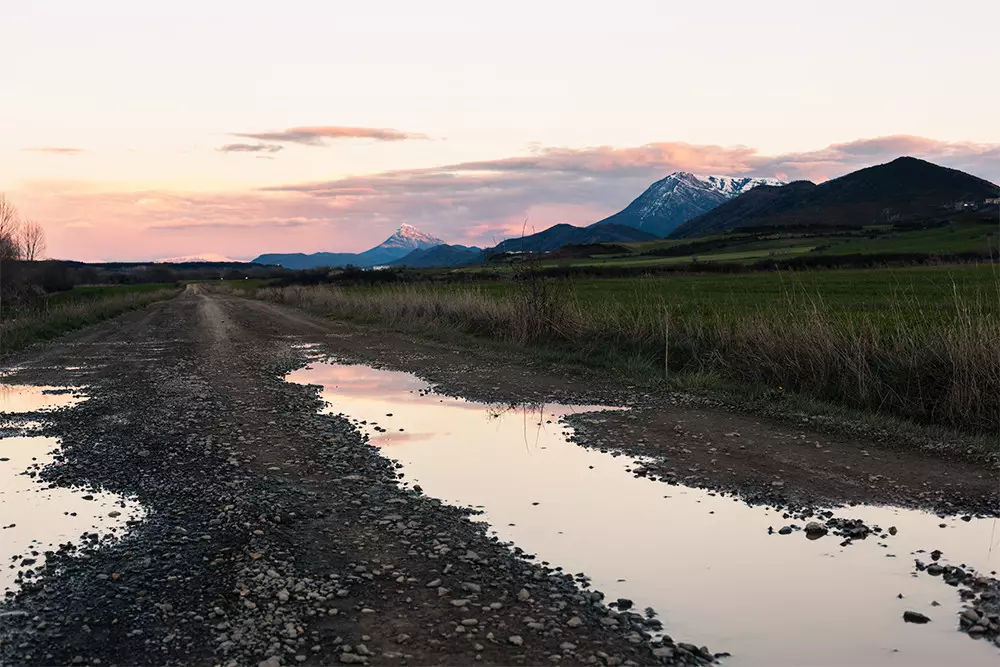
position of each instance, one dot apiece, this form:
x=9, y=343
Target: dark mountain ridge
x=902, y=190
x=563, y=234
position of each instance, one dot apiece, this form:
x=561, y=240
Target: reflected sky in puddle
x=34, y=517
x=706, y=563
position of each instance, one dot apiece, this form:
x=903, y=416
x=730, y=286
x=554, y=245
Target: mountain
x=405, y=239
x=674, y=200
x=206, y=257
x=441, y=255
x=557, y=236
x=905, y=189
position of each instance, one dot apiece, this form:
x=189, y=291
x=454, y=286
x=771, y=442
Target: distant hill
x=405, y=239
x=206, y=257
x=903, y=190
x=557, y=236
x=672, y=201
x=441, y=255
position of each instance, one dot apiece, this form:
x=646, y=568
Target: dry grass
x=22, y=328
x=936, y=370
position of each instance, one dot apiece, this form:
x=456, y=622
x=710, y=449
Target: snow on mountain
x=205, y=257
x=408, y=236
x=681, y=196
x=403, y=241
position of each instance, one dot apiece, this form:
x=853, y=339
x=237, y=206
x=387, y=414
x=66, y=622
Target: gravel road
x=275, y=535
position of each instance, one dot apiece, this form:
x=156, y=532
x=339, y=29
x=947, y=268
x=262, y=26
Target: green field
x=961, y=237
x=917, y=342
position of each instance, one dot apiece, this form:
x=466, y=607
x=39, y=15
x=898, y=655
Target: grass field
x=960, y=237
x=96, y=292
x=919, y=343
x=74, y=309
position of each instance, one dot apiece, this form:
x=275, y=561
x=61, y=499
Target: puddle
x=705, y=562
x=35, y=517
x=18, y=398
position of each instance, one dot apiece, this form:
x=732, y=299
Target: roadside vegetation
x=918, y=343
x=41, y=299
x=65, y=312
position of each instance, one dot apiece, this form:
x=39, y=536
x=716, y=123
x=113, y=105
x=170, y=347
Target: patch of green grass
x=951, y=239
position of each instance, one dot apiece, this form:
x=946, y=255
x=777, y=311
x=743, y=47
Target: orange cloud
x=318, y=136
x=472, y=203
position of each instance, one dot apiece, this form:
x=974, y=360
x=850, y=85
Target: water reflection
x=29, y=398
x=36, y=517
x=705, y=562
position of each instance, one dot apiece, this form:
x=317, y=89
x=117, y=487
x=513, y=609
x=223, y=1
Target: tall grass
x=910, y=360
x=20, y=328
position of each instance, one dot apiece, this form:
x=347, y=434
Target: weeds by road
x=66, y=312
x=935, y=362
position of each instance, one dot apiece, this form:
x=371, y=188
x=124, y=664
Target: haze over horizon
x=140, y=132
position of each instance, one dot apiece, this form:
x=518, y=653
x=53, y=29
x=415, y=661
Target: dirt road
x=276, y=536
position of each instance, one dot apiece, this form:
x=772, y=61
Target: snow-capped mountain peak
x=408, y=236
x=681, y=196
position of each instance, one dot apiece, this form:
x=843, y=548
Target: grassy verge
x=63, y=313
x=921, y=346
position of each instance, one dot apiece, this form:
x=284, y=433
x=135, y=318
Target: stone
x=785, y=530
x=915, y=617
x=523, y=595
x=814, y=529
x=575, y=622
x=516, y=640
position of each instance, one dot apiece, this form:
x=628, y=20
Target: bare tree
x=10, y=224
x=32, y=240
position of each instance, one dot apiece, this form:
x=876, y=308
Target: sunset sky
x=136, y=130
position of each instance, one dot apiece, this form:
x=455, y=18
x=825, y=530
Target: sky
x=136, y=131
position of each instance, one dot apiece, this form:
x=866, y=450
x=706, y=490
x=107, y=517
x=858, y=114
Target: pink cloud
x=318, y=136
x=472, y=203
x=56, y=150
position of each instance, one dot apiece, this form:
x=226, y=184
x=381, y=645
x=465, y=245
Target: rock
x=785, y=530
x=516, y=640
x=663, y=652
x=523, y=595
x=815, y=529
x=352, y=659
x=915, y=617
x=575, y=622
x=283, y=595
x=434, y=584
x=893, y=530
x=624, y=603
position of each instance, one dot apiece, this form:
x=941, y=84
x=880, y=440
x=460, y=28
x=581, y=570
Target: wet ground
x=37, y=517
x=276, y=532
x=711, y=566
